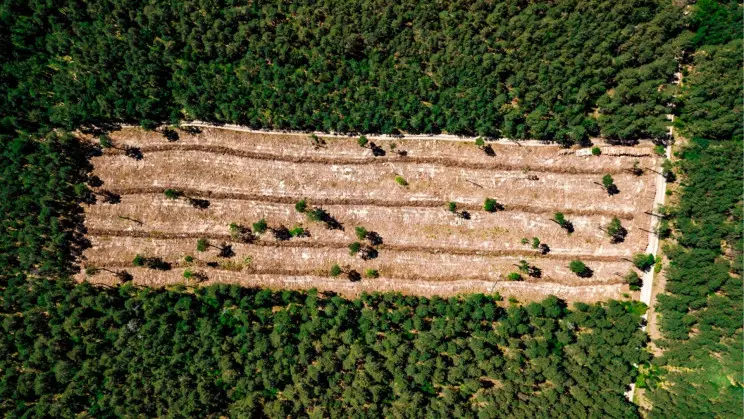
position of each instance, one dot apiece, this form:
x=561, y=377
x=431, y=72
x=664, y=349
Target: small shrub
x=524, y=240
x=354, y=248
x=362, y=141
x=634, y=281
x=643, y=261
x=188, y=259
x=596, y=151
x=490, y=205
x=139, y=260
x=335, y=270
x=479, y=142
x=535, y=242
x=202, y=245
x=514, y=276
x=452, y=206
x=660, y=150
x=400, y=181
x=173, y=193
x=561, y=220
x=616, y=231
x=361, y=233
x=301, y=205
x=579, y=268
x=372, y=273
x=297, y=231
x=609, y=184
x=105, y=141
x=260, y=226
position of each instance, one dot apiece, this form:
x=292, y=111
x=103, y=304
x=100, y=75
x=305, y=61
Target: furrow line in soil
x=314, y=272
x=196, y=193
x=441, y=161
x=331, y=245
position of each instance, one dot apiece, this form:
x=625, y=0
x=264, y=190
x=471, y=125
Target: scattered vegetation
x=401, y=181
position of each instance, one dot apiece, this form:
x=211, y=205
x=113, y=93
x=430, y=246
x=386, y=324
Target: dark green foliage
x=354, y=248
x=616, y=231
x=362, y=141
x=517, y=70
x=301, y=205
x=609, y=184
x=335, y=270
x=561, y=220
x=260, y=226
x=452, y=206
x=514, y=276
x=711, y=104
x=596, y=151
x=667, y=172
x=401, y=181
x=173, y=194
x=580, y=269
x=241, y=352
x=700, y=372
x=360, y=232
x=138, y=260
x=202, y=245
x=634, y=281
x=491, y=205
x=42, y=183
x=535, y=242
x=372, y=273
x=643, y=261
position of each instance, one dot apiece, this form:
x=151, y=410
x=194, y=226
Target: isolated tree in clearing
x=260, y=226
x=616, y=231
x=609, y=185
x=561, y=220
x=362, y=141
x=301, y=206
x=634, y=281
x=643, y=261
x=580, y=269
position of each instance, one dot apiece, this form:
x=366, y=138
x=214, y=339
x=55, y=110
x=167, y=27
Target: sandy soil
x=427, y=250
x=401, y=226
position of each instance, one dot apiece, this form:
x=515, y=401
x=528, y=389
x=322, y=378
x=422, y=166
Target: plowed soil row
x=388, y=158
x=522, y=290
x=209, y=194
x=303, y=243
x=423, y=226
x=426, y=250
x=539, y=158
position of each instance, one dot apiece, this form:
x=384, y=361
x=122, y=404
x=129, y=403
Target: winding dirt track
x=426, y=250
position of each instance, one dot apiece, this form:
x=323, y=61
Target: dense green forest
x=559, y=71
x=700, y=373
x=517, y=69
x=68, y=349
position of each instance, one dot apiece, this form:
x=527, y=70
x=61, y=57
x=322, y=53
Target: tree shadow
x=191, y=130
x=586, y=273
x=464, y=215
x=489, y=151
x=281, y=233
x=133, y=152
x=199, y=203
x=613, y=190
x=170, y=134
x=226, y=251
x=544, y=249
x=354, y=276
x=377, y=151
x=374, y=238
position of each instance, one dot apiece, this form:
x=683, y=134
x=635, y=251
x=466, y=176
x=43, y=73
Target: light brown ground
x=426, y=249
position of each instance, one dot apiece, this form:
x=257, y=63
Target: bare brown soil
x=426, y=250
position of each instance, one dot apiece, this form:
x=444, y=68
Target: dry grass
x=426, y=249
